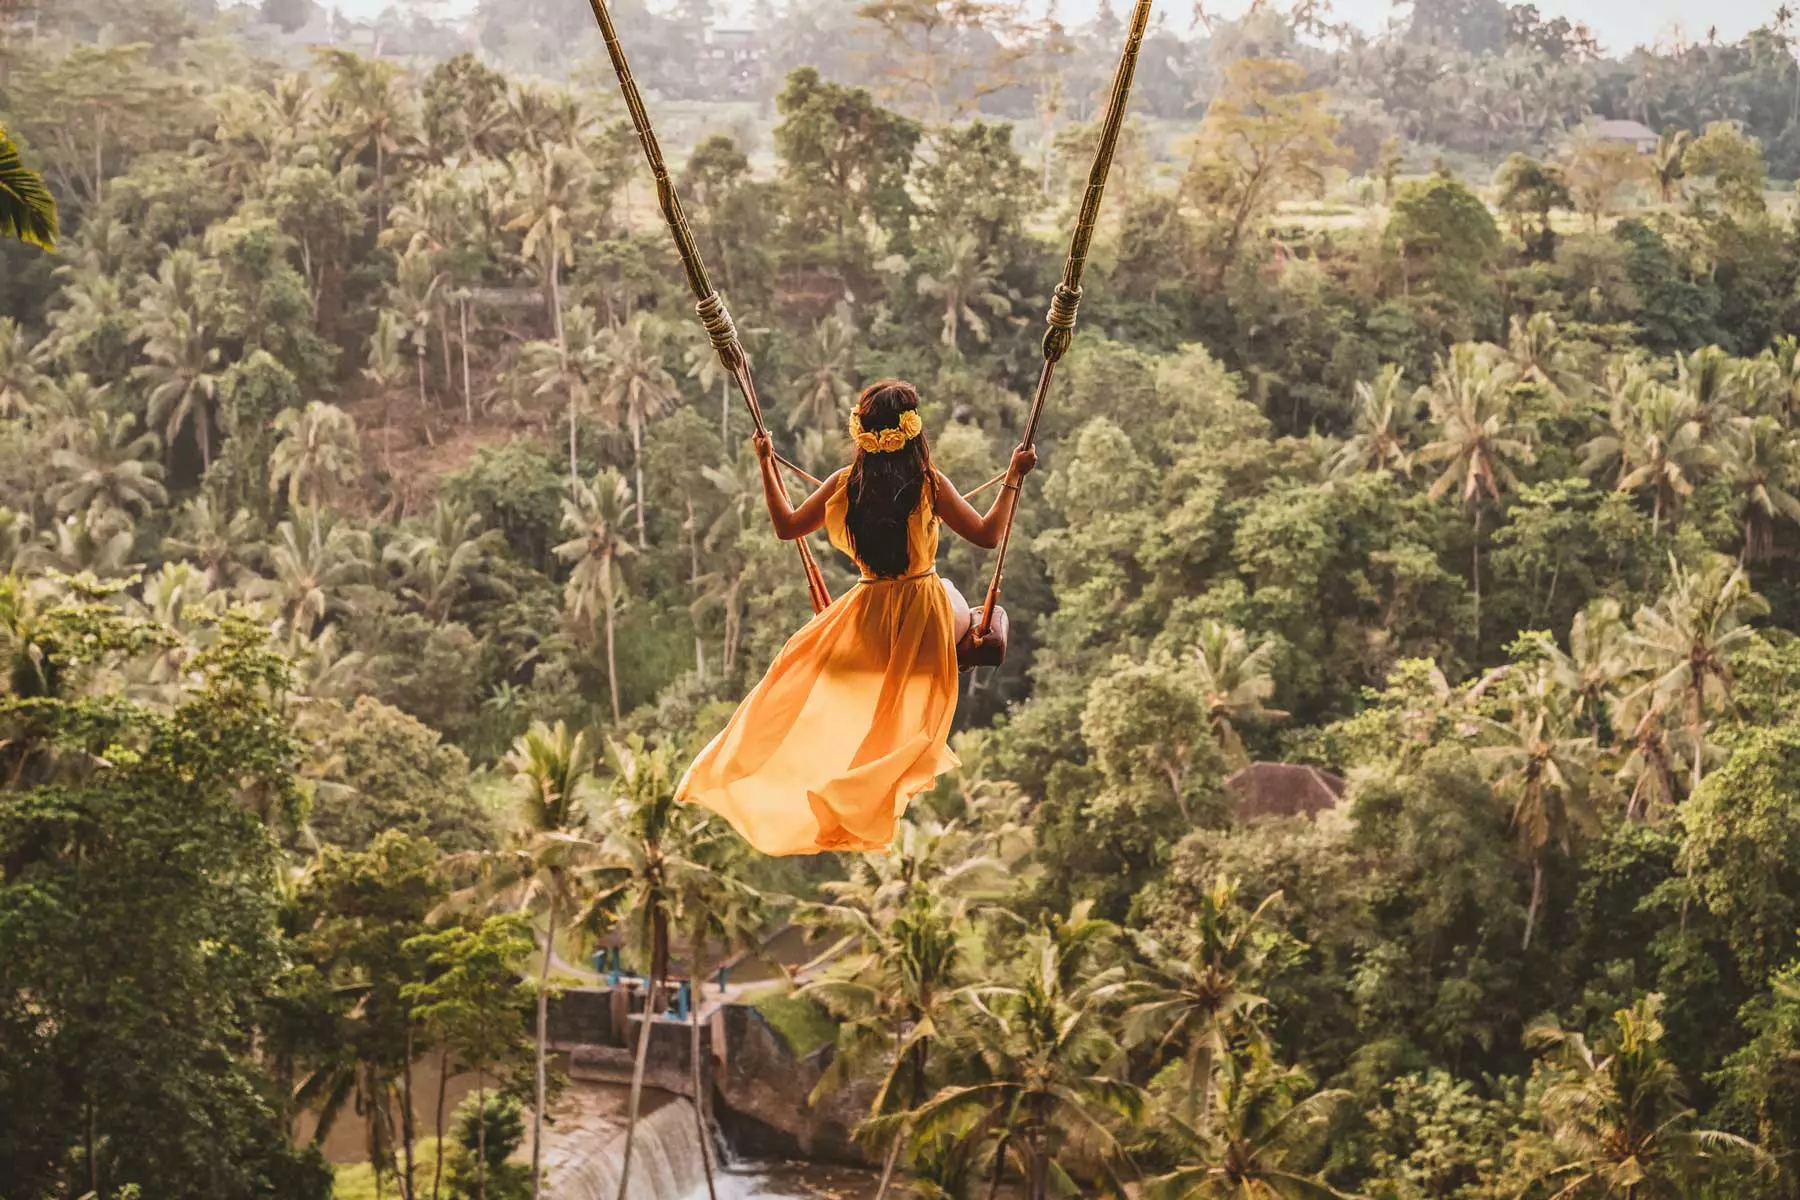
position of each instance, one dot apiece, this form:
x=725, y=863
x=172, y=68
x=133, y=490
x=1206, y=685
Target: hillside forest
x=381, y=540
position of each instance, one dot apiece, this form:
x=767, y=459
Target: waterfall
x=665, y=1161
x=665, y=1164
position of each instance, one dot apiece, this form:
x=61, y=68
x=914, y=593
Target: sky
x=1620, y=24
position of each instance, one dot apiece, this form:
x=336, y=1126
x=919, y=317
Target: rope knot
x=1065, y=304
x=720, y=328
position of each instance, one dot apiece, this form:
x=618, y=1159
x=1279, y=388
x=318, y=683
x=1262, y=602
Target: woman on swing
x=853, y=719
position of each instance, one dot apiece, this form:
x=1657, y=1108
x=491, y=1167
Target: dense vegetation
x=381, y=542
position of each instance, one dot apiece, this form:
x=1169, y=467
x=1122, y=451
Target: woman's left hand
x=765, y=448
x=1024, y=461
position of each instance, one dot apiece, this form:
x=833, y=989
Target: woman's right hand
x=1024, y=461
x=765, y=447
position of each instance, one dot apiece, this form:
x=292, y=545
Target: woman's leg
x=960, y=615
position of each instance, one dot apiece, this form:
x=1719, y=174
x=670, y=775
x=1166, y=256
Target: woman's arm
x=984, y=529
x=790, y=522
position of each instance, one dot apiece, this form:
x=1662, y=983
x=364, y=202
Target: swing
x=984, y=645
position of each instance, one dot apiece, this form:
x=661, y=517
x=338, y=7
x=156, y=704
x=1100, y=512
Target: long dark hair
x=884, y=488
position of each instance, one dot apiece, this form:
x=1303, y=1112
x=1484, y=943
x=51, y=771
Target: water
x=666, y=1165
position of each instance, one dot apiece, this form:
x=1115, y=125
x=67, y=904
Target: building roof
x=1268, y=789
x=1624, y=131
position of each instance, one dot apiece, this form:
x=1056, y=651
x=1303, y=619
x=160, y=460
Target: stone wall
x=762, y=1090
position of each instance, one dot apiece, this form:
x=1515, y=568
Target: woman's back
x=921, y=534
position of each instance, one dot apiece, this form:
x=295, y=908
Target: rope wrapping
x=708, y=304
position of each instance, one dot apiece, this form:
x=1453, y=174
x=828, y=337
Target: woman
x=853, y=719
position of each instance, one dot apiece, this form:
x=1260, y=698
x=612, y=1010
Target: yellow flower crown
x=887, y=440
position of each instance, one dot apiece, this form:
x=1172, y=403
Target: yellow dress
x=853, y=719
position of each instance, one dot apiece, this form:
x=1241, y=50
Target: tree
x=1616, y=1115
x=1386, y=409
x=1193, y=999
x=1733, y=163
x=576, y=369
x=1687, y=637
x=360, y=910
x=471, y=1004
x=183, y=380
x=108, y=472
x=1265, y=137
x=827, y=380
x=369, y=113
x=1598, y=171
x=27, y=209
x=1236, y=683
x=1540, y=766
x=595, y=516
x=123, y=886
x=636, y=386
x=1478, y=437
x=1669, y=162
x=1758, y=462
x=316, y=453
x=1268, y=1141
x=19, y=379
x=962, y=279
x=314, y=557
x=650, y=872
x=442, y=558
x=1655, y=441
x=550, y=767
x=548, y=191
x=1040, y=1094
x=923, y=36
x=1529, y=188
x=900, y=914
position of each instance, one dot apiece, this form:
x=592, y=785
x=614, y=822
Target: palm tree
x=1687, y=637
x=549, y=186
x=1598, y=657
x=1385, y=409
x=1537, y=348
x=313, y=557
x=316, y=452
x=384, y=370
x=1758, y=461
x=1236, y=682
x=1658, y=753
x=27, y=209
x=1669, y=163
x=595, y=516
x=1722, y=388
x=413, y=297
x=550, y=767
x=1041, y=1095
x=1617, y=1115
x=369, y=113
x=19, y=379
x=441, y=559
x=651, y=872
x=107, y=468
x=825, y=385
x=183, y=379
x=1271, y=1135
x=224, y=544
x=1656, y=440
x=575, y=370
x=1190, y=1000
x=966, y=281
x=902, y=915
x=1479, y=438
x=638, y=388
x=1541, y=766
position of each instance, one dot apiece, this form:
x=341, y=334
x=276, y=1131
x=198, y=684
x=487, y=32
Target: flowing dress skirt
x=850, y=723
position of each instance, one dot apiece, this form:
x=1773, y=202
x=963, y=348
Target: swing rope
x=708, y=304
x=1065, y=303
